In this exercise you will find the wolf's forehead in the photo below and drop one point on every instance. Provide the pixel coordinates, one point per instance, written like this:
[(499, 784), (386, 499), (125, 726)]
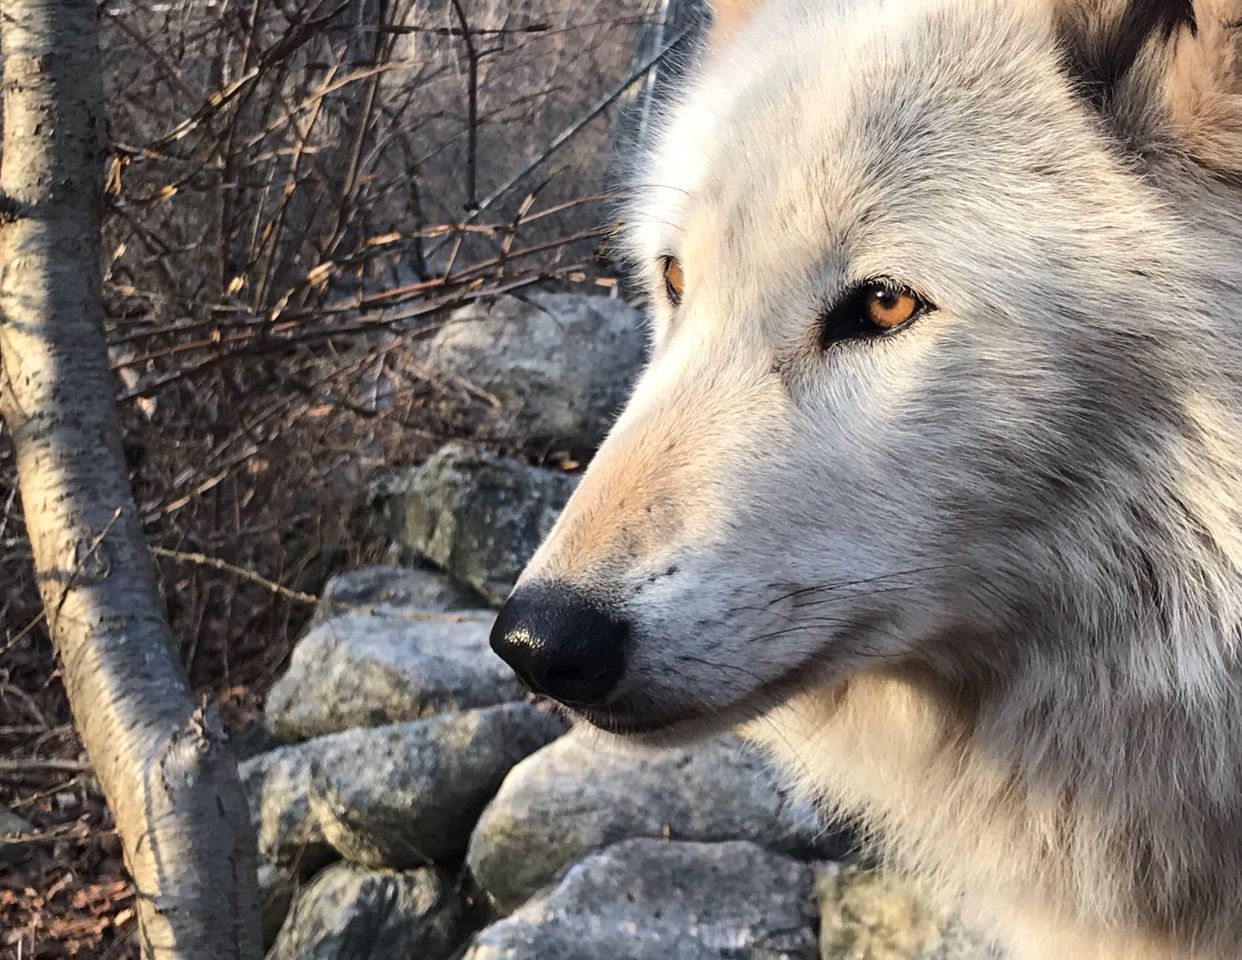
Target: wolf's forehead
[(823, 118)]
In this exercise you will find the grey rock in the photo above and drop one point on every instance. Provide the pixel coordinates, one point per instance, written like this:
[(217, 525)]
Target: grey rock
[(874, 915), (367, 670), (277, 785), (391, 588), (408, 794), (650, 900), (475, 514), (11, 823), (348, 913), (583, 793), (551, 369)]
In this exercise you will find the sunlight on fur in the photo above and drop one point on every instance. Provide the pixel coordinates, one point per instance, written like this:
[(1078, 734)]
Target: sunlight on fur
[(973, 574)]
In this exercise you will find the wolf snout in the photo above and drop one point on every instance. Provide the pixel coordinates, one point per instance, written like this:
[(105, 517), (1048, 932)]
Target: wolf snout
[(562, 643)]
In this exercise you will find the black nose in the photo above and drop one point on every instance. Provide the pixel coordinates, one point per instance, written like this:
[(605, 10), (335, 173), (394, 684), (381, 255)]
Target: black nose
[(561, 643)]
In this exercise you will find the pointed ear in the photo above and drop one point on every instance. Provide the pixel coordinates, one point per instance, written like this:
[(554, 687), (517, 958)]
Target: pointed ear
[(728, 17), (1202, 87), (1163, 72)]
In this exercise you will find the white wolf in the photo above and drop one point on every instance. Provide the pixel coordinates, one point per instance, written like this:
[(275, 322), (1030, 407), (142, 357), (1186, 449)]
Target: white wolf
[(935, 475)]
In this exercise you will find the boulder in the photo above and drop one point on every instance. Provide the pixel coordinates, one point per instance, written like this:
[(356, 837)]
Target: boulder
[(348, 913), (476, 515), (652, 900), (391, 588), (408, 794), (585, 792), (546, 369), (291, 844), (276, 785), (370, 669), (874, 915), (10, 824)]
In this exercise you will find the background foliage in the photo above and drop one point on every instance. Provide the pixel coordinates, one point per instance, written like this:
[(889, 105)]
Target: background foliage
[(297, 192)]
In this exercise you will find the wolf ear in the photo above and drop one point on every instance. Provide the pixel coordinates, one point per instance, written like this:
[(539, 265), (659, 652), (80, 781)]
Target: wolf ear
[(728, 17), (1163, 71), (1203, 87)]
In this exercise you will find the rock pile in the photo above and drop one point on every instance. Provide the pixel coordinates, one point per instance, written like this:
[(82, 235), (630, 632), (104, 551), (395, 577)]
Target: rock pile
[(583, 793), (475, 514), (418, 803), (546, 369)]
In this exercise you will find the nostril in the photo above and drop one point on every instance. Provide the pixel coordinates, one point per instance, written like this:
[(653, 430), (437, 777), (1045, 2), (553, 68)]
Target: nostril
[(570, 684), (579, 686), (562, 643)]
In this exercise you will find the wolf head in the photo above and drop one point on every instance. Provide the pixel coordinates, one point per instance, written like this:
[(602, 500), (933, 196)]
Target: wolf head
[(943, 374)]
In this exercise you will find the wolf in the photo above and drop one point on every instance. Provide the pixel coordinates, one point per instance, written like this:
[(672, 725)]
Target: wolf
[(933, 480)]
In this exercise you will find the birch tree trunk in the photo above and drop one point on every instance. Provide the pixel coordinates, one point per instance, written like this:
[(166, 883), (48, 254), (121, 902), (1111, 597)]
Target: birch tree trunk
[(163, 765)]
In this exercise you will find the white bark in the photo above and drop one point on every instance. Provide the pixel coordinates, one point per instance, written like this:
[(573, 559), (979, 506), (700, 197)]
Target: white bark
[(171, 783)]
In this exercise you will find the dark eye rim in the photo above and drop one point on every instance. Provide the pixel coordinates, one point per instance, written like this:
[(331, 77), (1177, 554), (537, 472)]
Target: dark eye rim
[(847, 320), (666, 261)]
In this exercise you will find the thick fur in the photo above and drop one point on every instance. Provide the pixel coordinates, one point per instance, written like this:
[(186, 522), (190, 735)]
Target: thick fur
[(977, 583)]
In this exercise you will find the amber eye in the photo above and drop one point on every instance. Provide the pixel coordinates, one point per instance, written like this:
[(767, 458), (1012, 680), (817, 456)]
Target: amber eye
[(872, 309), (888, 307), (674, 279)]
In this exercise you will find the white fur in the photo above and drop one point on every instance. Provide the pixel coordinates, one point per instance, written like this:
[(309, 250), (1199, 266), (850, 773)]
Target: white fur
[(977, 583)]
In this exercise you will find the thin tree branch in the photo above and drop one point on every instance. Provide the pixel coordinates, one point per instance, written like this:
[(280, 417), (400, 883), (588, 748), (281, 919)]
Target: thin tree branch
[(215, 563)]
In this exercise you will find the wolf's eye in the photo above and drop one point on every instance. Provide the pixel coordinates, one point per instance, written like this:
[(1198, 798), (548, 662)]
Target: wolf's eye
[(889, 307), (871, 309), (674, 279)]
